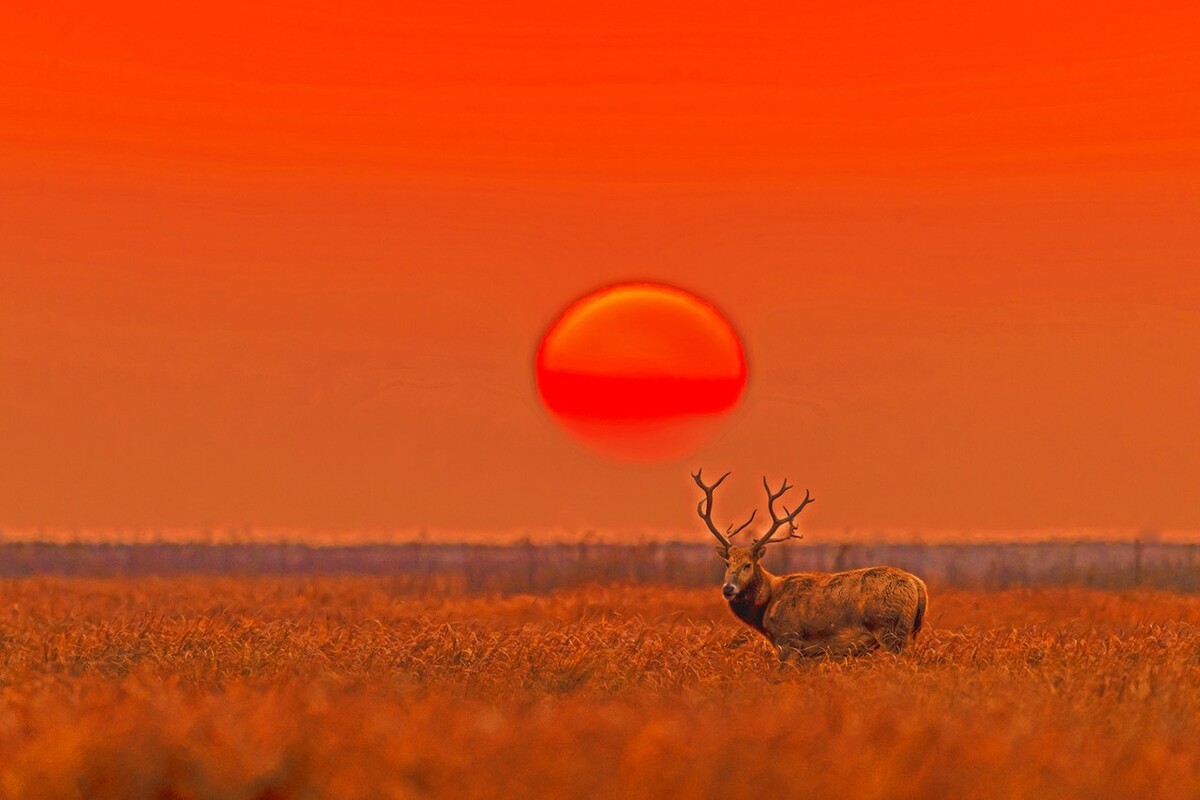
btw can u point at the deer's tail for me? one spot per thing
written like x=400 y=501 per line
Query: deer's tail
x=922 y=600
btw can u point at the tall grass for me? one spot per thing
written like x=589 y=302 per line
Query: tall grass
x=207 y=687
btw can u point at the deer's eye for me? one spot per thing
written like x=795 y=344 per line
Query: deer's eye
x=745 y=567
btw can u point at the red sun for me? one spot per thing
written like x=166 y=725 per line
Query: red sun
x=641 y=371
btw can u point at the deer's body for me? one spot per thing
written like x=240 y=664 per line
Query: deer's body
x=832 y=614
x=814 y=613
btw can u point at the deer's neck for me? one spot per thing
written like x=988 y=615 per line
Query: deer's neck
x=751 y=604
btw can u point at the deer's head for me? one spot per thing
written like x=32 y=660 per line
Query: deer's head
x=742 y=563
x=741 y=570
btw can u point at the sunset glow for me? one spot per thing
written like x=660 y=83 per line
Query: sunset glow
x=420 y=399
x=264 y=267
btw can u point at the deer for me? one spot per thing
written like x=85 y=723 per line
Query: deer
x=812 y=614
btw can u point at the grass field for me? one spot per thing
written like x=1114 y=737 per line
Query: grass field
x=355 y=687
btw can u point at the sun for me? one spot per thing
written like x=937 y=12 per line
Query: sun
x=641 y=371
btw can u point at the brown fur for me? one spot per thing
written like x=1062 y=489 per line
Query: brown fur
x=836 y=614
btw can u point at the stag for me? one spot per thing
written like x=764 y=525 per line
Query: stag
x=812 y=614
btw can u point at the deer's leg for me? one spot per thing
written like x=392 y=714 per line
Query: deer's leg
x=894 y=634
x=849 y=642
x=789 y=649
x=793 y=648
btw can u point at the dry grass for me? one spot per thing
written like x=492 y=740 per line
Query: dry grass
x=323 y=687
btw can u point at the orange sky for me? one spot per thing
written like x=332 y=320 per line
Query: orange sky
x=292 y=270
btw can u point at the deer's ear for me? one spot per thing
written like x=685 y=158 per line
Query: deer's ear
x=722 y=552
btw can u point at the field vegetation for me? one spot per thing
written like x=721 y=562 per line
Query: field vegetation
x=437 y=567
x=210 y=687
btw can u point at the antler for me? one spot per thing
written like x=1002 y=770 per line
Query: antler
x=704 y=509
x=789 y=517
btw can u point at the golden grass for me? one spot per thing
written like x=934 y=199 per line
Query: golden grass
x=325 y=687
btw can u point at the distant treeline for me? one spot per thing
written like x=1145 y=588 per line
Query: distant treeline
x=473 y=568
